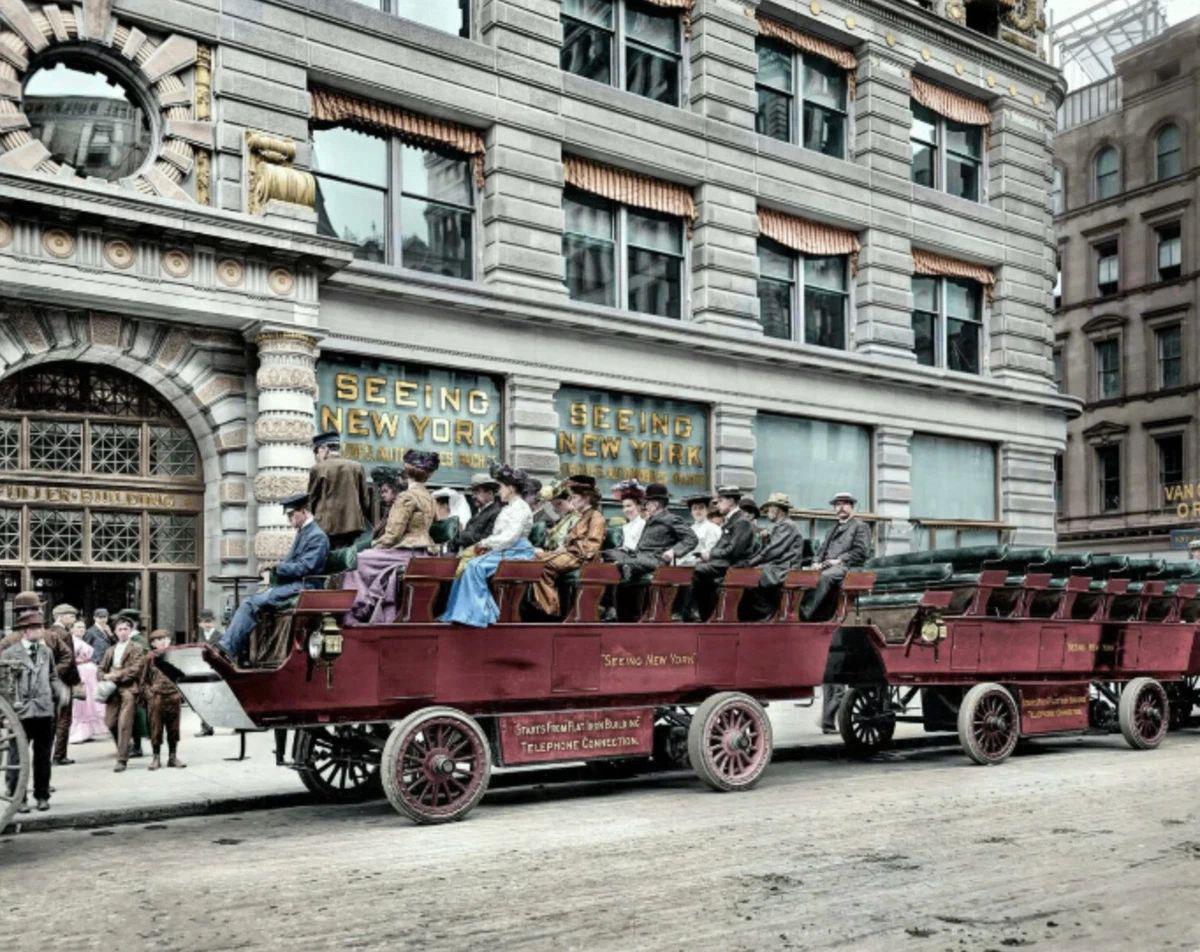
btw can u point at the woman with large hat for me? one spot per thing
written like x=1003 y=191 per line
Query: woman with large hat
x=580 y=546
x=406 y=534
x=471 y=601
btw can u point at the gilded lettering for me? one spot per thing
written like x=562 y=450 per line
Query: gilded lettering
x=610 y=447
x=577 y=414
x=356 y=423
x=659 y=423
x=373 y=389
x=568 y=443
x=625 y=420
x=384 y=424
x=346 y=386
x=487 y=437
x=404 y=391
x=331 y=419
x=419 y=425
x=590 y=443
x=452 y=398
x=683 y=427
x=477 y=402
x=441 y=430
x=464 y=433
x=600 y=415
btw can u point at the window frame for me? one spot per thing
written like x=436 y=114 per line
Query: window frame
x=1160 y=331
x=618 y=58
x=390 y=7
x=1159 y=154
x=1099 y=371
x=1058 y=190
x=941 y=149
x=1098 y=257
x=1177 y=225
x=1096 y=174
x=942 y=318
x=798 y=287
x=1100 y=478
x=796 y=100
x=1158 y=439
x=621 y=248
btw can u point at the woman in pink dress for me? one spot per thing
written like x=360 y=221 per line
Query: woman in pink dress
x=87 y=716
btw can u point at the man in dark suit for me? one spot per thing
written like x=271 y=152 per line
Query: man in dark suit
x=337 y=492
x=665 y=539
x=737 y=544
x=484 y=489
x=783 y=551
x=306 y=557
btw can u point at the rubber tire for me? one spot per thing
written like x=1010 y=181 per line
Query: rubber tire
x=698 y=729
x=845 y=724
x=391 y=754
x=966 y=714
x=1125 y=712
x=371 y=789
x=8 y=808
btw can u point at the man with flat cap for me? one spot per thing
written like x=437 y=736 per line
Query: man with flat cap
x=59 y=640
x=737 y=544
x=306 y=557
x=337 y=492
x=484 y=489
x=783 y=551
x=665 y=539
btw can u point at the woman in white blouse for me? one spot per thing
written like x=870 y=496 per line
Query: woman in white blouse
x=471 y=601
x=707 y=533
x=631 y=494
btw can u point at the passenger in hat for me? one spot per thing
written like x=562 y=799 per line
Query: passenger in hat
x=405 y=535
x=706 y=531
x=337 y=492
x=38 y=694
x=449 y=503
x=388 y=485
x=560 y=502
x=122 y=666
x=163 y=701
x=664 y=540
x=487 y=507
x=631 y=495
x=738 y=542
x=783 y=551
x=579 y=546
x=471 y=602
x=305 y=557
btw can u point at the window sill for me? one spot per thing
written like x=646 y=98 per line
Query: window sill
x=431 y=278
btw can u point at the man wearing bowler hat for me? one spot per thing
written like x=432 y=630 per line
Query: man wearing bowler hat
x=665 y=539
x=306 y=557
x=337 y=491
x=484 y=489
x=39 y=693
x=736 y=545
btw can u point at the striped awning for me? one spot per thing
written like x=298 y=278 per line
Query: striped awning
x=807 y=43
x=331 y=107
x=952 y=105
x=931 y=263
x=809 y=237
x=629 y=188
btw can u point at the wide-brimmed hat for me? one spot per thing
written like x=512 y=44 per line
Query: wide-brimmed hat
x=328 y=438
x=629 y=489
x=780 y=501
x=749 y=506
x=730 y=492
x=507 y=476
x=843 y=497
x=29 y=619
x=658 y=492
x=385 y=476
x=423 y=460
x=698 y=499
x=292 y=503
x=581 y=479
x=483 y=481
x=26 y=601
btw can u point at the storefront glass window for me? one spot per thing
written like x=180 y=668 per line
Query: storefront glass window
x=116 y=537
x=172 y=539
x=811 y=460
x=56 y=535
x=953 y=479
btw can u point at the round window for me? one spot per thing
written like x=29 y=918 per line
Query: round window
x=87 y=118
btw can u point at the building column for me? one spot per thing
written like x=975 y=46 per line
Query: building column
x=733 y=446
x=893 y=487
x=283 y=430
x=725 y=260
x=724 y=61
x=533 y=425
x=1027 y=493
x=529 y=29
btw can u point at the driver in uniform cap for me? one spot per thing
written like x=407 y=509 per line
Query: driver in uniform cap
x=306 y=557
x=337 y=491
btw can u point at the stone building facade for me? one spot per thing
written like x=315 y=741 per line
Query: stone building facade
x=1126 y=342
x=797 y=247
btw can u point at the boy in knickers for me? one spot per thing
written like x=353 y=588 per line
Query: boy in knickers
x=163 y=702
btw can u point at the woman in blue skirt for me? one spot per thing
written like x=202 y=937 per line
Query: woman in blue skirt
x=471 y=601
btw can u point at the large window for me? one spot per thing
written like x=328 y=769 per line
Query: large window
x=1108 y=477
x=801 y=99
x=397 y=202
x=803 y=297
x=1108 y=368
x=947 y=322
x=1168 y=152
x=452 y=16
x=1108 y=173
x=1058 y=191
x=1168 y=343
x=946 y=155
x=1060 y=380
x=1170 y=459
x=953 y=480
x=626 y=43
x=1108 y=268
x=614 y=253
x=1170 y=251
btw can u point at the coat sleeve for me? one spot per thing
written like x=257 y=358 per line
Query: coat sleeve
x=399 y=517
x=585 y=543
x=130 y=672
x=860 y=546
x=308 y=561
x=685 y=539
x=364 y=498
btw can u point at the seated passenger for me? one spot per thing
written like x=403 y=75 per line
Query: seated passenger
x=847 y=546
x=580 y=545
x=664 y=539
x=733 y=549
x=560 y=500
x=631 y=494
x=388 y=485
x=405 y=535
x=471 y=601
x=306 y=557
x=783 y=552
x=706 y=531
x=479 y=526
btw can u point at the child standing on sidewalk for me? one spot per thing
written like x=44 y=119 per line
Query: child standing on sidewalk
x=163 y=702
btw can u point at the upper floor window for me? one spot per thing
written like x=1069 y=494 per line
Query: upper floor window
x=1060 y=382
x=451 y=16
x=1058 y=201
x=1170 y=459
x=1108 y=268
x=1108 y=368
x=1108 y=173
x=1168 y=152
x=1058 y=280
x=947 y=322
x=1170 y=251
x=803 y=297
x=1169 y=345
x=626 y=43
x=946 y=155
x=801 y=98
x=397 y=202
x=1108 y=473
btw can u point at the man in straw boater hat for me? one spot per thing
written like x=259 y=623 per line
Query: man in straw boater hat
x=484 y=489
x=306 y=557
x=580 y=545
x=737 y=543
x=665 y=538
x=337 y=491
x=38 y=694
x=784 y=550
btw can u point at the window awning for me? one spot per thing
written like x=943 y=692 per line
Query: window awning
x=807 y=43
x=809 y=237
x=331 y=107
x=629 y=188
x=952 y=105
x=928 y=262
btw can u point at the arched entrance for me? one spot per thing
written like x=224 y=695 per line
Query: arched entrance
x=101 y=495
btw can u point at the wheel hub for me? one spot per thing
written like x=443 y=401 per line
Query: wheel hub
x=440 y=764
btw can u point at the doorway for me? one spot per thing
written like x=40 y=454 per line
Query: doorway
x=88 y=591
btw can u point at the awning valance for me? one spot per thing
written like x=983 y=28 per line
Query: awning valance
x=952 y=105
x=807 y=43
x=629 y=188
x=809 y=237
x=928 y=262
x=330 y=107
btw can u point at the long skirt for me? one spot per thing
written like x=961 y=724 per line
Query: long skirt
x=545 y=589
x=471 y=601
x=374 y=580
x=87 y=716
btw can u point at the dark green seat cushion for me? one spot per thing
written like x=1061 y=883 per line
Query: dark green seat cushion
x=445 y=530
x=910 y=576
x=963 y=558
x=613 y=537
x=537 y=535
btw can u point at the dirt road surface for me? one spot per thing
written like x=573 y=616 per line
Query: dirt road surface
x=1072 y=844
